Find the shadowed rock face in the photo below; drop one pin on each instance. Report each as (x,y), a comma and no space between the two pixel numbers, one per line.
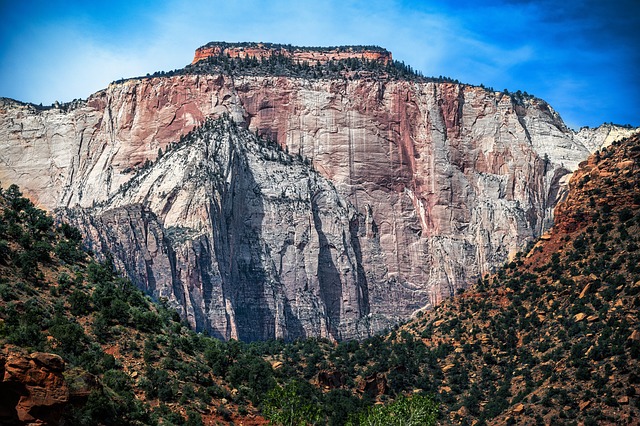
(248,241)
(421,188)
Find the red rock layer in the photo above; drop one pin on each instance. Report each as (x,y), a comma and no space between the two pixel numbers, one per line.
(260,51)
(32,388)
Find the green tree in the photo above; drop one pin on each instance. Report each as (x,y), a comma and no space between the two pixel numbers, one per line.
(289,406)
(69,252)
(415,411)
(80,303)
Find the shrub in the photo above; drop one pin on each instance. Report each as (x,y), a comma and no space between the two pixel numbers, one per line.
(70,232)
(68,252)
(27,335)
(147,321)
(80,303)
(289,405)
(5,251)
(118,381)
(415,411)
(194,418)
(70,336)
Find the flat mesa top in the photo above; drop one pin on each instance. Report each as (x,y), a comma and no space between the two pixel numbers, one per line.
(300,54)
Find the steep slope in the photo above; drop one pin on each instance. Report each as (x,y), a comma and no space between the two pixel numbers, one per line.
(254,243)
(80,345)
(558,327)
(551,338)
(447,180)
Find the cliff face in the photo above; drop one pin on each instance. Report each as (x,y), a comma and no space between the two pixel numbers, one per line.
(249,241)
(603,136)
(435,184)
(263,51)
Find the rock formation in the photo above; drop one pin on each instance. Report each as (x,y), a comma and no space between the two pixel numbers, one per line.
(312,56)
(603,136)
(249,241)
(33,390)
(395,193)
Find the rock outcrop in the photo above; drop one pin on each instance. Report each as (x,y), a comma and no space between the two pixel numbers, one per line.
(603,136)
(33,390)
(424,187)
(316,55)
(248,241)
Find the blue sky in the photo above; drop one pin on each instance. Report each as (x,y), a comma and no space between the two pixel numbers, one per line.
(580,56)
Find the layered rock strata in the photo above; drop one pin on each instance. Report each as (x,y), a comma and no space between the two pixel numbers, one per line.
(312,56)
(438,183)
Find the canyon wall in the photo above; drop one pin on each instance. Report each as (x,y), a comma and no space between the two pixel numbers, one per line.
(248,241)
(423,188)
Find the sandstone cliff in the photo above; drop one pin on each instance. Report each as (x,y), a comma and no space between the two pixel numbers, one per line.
(266,50)
(603,136)
(435,184)
(249,241)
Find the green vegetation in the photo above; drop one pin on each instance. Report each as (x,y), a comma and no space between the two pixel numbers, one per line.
(280,65)
(551,337)
(415,411)
(56,298)
(292,405)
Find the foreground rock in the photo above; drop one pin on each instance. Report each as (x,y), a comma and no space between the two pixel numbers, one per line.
(33,390)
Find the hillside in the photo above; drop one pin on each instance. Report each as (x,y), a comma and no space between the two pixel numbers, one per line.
(552,338)
(80,345)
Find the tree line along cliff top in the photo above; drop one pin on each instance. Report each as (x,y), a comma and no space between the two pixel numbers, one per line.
(310,55)
(267,59)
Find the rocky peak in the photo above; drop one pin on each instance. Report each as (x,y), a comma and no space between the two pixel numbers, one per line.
(604,135)
(298,54)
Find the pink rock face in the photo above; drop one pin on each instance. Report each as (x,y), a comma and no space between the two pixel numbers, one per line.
(447,181)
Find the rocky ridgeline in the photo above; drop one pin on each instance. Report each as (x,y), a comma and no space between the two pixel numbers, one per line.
(312,56)
(424,187)
(554,337)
